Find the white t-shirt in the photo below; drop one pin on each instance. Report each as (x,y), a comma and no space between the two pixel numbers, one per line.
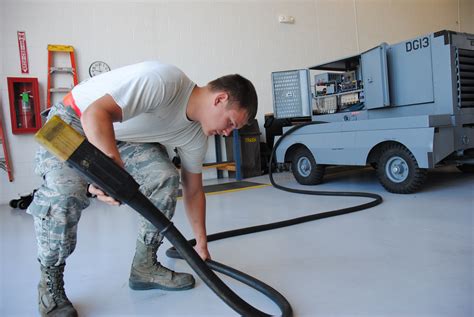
(153,98)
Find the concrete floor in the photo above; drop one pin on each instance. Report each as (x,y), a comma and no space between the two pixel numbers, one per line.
(410,256)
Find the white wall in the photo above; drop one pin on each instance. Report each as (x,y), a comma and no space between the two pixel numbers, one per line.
(206,39)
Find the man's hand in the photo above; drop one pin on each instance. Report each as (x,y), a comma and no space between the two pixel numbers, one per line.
(100,195)
(203,252)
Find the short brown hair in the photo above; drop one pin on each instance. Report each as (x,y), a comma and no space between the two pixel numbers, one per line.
(240,90)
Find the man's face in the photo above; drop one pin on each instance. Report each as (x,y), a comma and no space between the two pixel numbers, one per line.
(223,119)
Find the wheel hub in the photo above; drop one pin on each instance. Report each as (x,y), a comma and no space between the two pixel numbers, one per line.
(304,167)
(397,169)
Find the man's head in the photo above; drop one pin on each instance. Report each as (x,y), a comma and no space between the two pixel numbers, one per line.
(241,92)
(234,102)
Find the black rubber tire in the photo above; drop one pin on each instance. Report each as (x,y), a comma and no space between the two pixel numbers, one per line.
(14,203)
(23,204)
(466,168)
(305,169)
(398,171)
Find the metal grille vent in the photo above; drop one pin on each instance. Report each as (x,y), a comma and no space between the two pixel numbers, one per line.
(466,78)
(290,94)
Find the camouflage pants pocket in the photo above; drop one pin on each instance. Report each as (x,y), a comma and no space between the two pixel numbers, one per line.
(55,233)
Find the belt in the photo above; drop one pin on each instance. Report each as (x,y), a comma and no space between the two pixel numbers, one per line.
(68,101)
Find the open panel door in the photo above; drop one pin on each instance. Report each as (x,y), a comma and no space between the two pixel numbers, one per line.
(375,77)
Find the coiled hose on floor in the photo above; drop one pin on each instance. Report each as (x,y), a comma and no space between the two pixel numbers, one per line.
(276,297)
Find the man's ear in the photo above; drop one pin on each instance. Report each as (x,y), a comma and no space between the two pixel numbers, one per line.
(221,97)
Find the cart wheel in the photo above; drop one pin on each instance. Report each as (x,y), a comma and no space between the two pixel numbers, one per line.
(466,168)
(14,203)
(23,204)
(305,169)
(398,171)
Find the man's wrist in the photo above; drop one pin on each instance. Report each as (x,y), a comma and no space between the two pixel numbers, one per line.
(201,243)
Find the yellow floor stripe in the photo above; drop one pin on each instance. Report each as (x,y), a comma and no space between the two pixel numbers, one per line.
(237,189)
(234,190)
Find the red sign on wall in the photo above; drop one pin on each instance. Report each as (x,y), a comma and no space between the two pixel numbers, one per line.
(23,52)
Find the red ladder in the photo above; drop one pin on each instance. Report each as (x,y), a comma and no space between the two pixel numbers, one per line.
(52,69)
(4,161)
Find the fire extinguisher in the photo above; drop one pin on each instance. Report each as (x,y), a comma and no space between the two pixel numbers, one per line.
(26,111)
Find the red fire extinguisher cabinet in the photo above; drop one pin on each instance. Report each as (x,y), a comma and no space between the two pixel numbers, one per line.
(24,104)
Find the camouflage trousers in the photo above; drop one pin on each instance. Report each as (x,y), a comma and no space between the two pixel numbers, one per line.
(58,203)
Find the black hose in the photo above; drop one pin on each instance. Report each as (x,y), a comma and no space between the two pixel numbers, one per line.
(101,170)
(276,297)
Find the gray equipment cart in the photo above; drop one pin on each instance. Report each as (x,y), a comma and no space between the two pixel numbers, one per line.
(401,108)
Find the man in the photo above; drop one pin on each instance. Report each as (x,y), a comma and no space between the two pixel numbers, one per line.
(130,114)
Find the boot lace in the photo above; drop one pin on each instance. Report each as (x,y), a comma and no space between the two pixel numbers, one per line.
(156,264)
(55,285)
